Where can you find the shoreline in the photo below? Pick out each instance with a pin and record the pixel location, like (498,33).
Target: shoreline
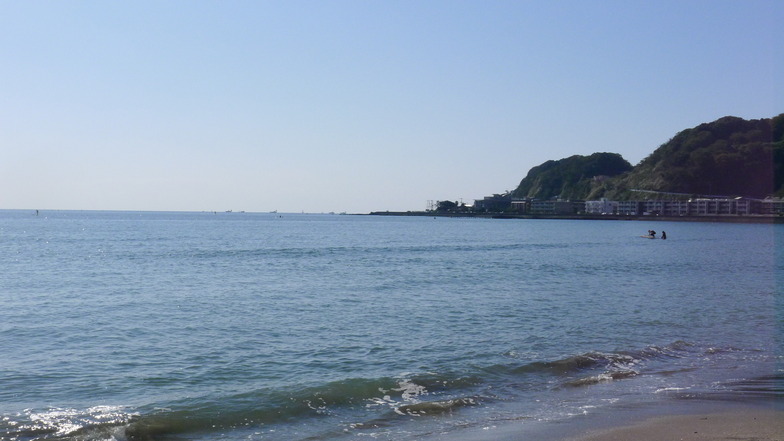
(743,424)
(693,421)
(730,218)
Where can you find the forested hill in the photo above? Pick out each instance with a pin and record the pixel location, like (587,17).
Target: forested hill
(572,177)
(727,157)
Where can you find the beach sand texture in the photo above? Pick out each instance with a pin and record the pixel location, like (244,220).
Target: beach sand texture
(747,425)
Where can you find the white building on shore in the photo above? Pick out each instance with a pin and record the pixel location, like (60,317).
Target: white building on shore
(692,207)
(602,206)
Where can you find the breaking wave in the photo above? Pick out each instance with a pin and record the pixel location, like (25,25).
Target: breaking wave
(380,401)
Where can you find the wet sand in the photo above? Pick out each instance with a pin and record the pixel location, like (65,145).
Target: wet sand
(706,422)
(747,424)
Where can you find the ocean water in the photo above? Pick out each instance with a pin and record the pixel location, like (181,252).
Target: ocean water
(204,326)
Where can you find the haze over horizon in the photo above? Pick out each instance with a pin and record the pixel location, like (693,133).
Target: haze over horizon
(356,106)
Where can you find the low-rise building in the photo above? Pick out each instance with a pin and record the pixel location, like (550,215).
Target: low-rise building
(692,207)
(630,208)
(521,205)
(556,207)
(494,203)
(702,207)
(771,206)
(676,208)
(602,206)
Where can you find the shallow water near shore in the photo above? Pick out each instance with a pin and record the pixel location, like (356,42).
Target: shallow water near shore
(202,326)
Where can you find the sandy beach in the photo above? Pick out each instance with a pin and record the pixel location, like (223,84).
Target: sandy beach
(747,424)
(733,422)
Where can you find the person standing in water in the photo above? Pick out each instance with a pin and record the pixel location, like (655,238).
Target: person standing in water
(664,235)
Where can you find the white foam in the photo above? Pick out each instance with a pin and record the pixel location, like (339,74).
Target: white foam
(410,390)
(670,389)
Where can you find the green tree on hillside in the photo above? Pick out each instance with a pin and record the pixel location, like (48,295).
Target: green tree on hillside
(572,177)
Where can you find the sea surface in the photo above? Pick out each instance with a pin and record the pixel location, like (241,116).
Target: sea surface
(230,326)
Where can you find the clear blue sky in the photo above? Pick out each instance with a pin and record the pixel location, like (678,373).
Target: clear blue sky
(356,105)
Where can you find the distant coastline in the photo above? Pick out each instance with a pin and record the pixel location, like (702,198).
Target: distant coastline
(733,218)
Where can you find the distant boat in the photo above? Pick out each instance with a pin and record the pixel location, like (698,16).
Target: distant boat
(273,211)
